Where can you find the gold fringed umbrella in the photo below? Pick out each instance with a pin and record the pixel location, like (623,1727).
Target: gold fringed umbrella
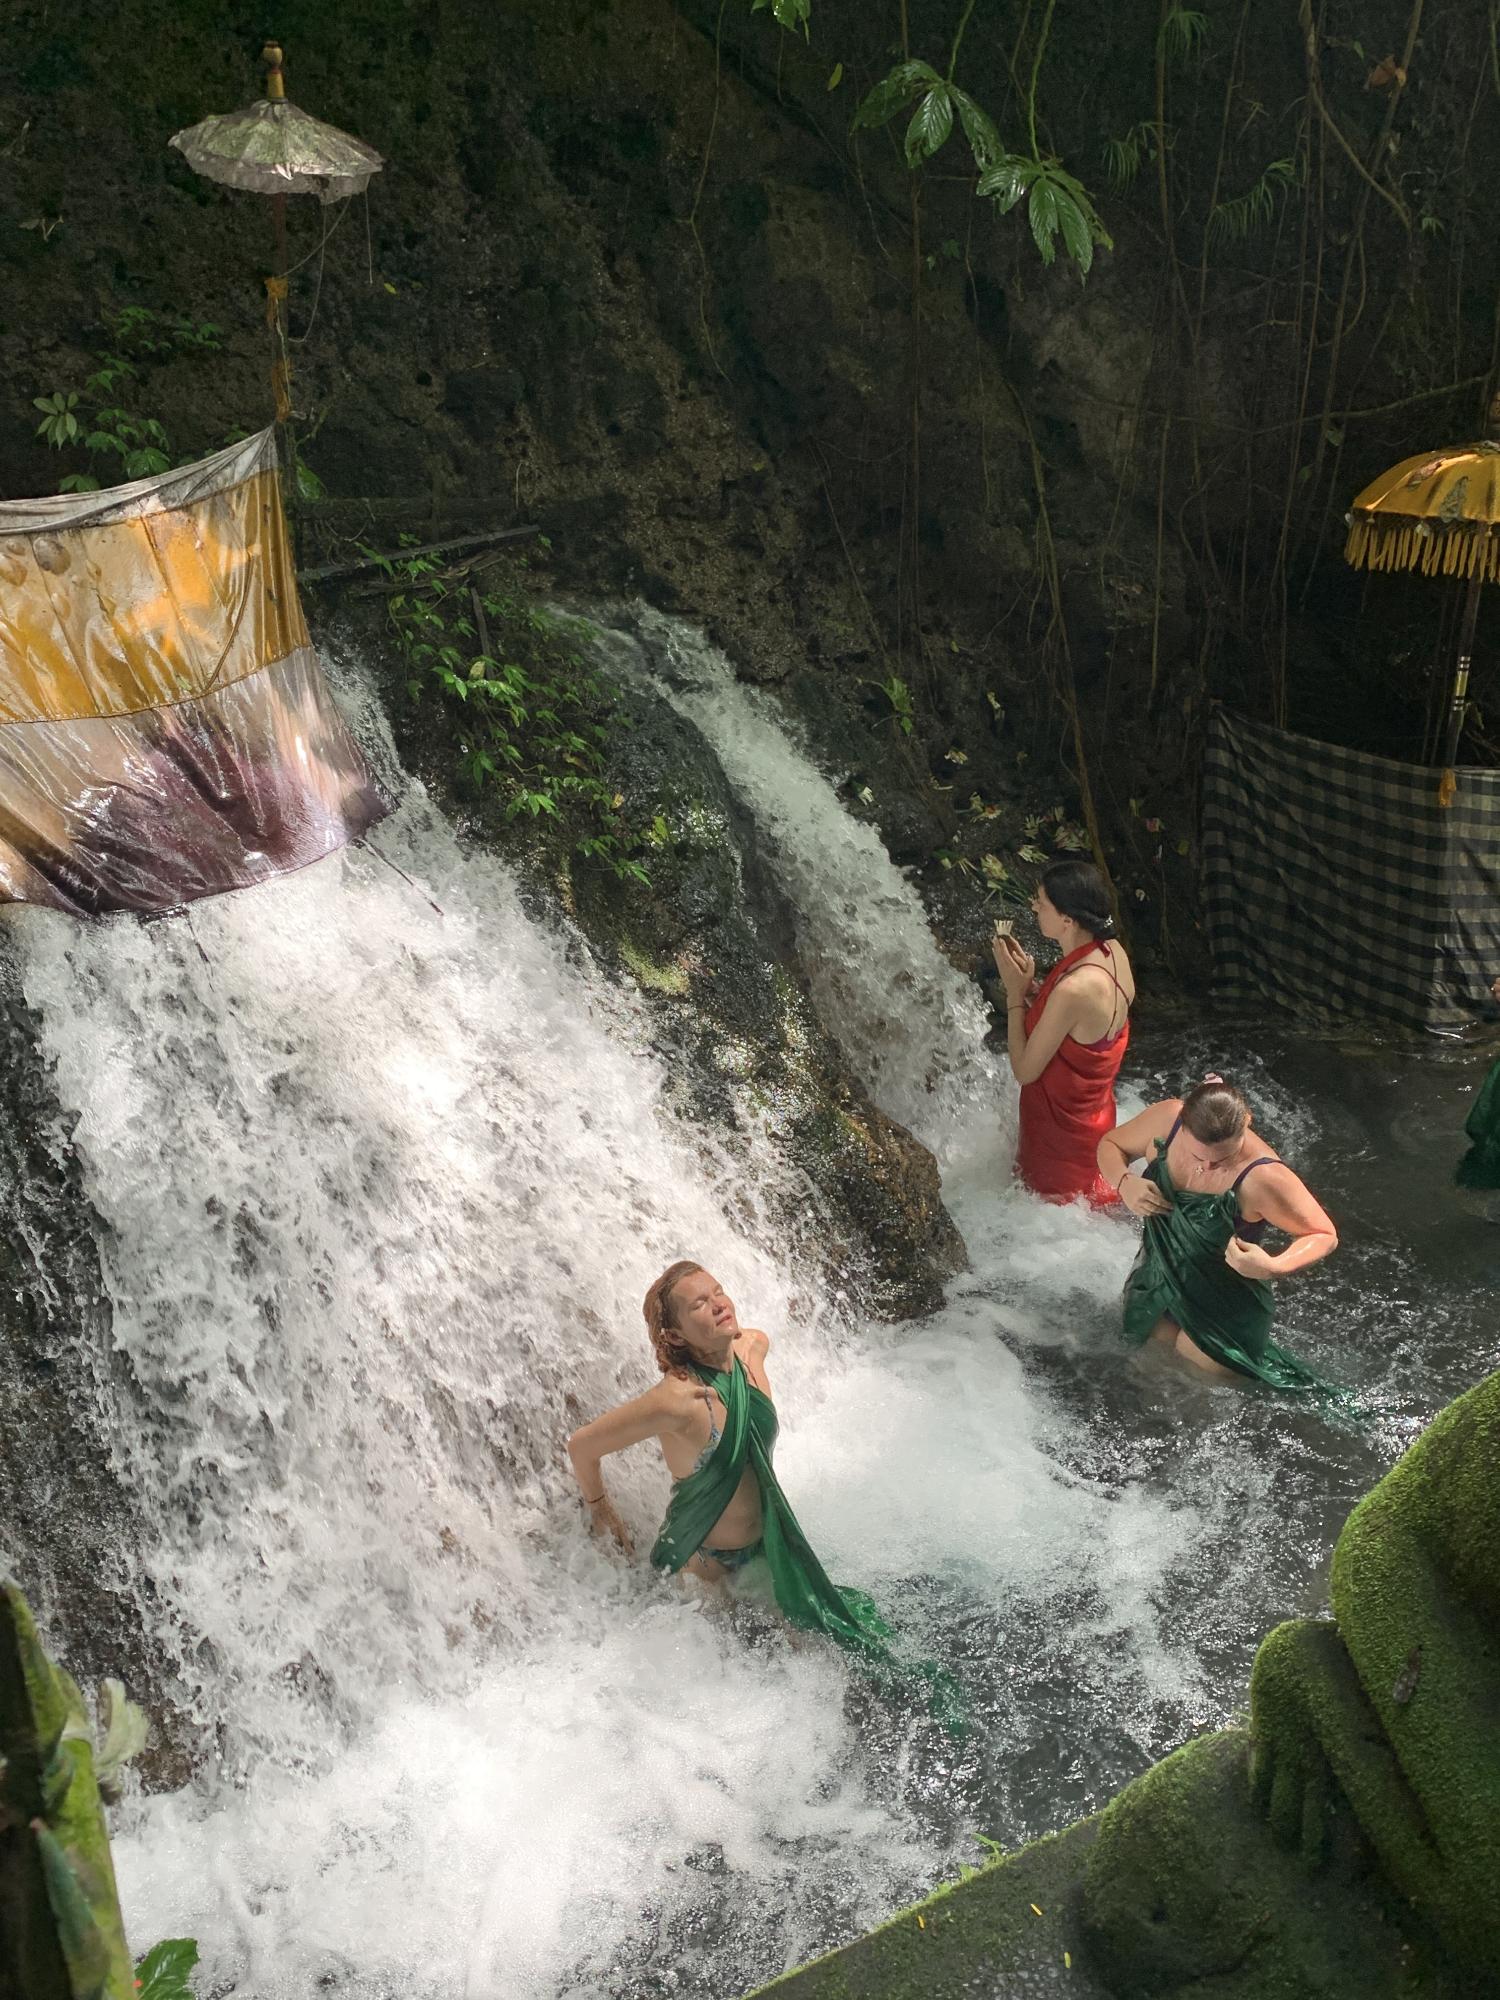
(1440,513)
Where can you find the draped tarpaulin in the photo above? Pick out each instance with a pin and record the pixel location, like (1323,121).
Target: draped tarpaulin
(165,729)
(1334,882)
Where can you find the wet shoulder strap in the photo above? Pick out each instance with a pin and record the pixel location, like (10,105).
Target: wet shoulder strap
(1265,1160)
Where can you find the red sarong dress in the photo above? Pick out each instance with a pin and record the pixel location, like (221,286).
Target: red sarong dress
(1071,1106)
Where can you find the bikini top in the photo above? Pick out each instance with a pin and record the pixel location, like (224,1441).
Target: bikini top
(1247,1232)
(714,1434)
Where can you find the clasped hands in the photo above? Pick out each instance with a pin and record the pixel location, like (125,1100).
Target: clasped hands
(1017,969)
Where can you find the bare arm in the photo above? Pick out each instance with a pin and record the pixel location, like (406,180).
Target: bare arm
(1286,1203)
(631,1423)
(1128,1142)
(1030,1054)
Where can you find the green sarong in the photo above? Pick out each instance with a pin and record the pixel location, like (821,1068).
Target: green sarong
(1181,1273)
(805,1594)
(1480,1166)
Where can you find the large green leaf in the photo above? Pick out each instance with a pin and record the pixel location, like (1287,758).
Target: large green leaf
(1042,212)
(163,1973)
(892,93)
(1076,233)
(930,125)
(980,130)
(1008,180)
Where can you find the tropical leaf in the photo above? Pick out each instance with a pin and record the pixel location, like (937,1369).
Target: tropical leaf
(1076,233)
(930,126)
(1181,32)
(892,93)
(1123,158)
(1043,213)
(980,129)
(1008,180)
(1235,220)
(163,1973)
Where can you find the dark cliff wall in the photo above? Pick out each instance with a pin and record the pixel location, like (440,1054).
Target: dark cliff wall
(628,274)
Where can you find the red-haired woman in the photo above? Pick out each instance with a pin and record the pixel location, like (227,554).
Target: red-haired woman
(713,1418)
(1067,1038)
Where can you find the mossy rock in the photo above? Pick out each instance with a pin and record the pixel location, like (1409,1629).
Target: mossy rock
(1010,1928)
(1185,1894)
(1397,1710)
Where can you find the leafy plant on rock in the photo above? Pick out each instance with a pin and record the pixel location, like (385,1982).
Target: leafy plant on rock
(528,705)
(104,418)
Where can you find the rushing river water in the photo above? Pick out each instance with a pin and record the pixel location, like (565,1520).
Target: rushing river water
(380,1190)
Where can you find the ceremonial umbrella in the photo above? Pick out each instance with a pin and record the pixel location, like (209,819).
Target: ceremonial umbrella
(272,147)
(1438,512)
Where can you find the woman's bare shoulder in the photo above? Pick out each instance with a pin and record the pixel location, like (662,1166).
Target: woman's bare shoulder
(756,1342)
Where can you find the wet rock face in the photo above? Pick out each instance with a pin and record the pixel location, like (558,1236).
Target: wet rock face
(66,1522)
(712,948)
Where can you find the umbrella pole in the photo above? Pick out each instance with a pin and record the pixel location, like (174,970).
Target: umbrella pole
(276,308)
(1448,783)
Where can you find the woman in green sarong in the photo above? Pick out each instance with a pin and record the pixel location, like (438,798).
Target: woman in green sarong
(1210,1189)
(713,1417)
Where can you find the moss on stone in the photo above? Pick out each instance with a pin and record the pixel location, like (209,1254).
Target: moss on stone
(1015,1917)
(1416,1596)
(1184,1893)
(656,975)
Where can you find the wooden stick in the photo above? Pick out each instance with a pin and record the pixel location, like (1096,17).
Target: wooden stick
(325,571)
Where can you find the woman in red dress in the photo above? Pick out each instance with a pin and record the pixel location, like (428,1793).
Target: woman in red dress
(1067,1037)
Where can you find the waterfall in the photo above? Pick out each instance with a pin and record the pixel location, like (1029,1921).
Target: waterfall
(912,1027)
(379,1188)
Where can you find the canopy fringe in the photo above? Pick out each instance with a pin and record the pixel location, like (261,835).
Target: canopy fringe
(1436,550)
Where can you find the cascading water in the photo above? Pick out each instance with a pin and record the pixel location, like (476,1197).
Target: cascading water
(379,1191)
(912,1027)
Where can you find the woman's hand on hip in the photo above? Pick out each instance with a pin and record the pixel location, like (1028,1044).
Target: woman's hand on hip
(1143,1197)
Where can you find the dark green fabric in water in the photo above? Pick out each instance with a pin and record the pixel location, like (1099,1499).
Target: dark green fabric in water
(805,1594)
(1480,1166)
(1181,1273)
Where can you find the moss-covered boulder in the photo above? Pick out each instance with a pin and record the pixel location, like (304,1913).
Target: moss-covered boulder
(1392,1714)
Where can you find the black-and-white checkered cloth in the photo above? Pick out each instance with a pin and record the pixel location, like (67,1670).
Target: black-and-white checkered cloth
(1334,882)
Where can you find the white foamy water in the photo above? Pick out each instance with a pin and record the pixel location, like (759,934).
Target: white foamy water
(910,1024)
(380,1190)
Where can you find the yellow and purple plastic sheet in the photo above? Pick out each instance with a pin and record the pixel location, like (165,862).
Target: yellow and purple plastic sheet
(165,729)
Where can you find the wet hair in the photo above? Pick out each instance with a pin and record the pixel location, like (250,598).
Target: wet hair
(1076,889)
(673,1355)
(1215,1112)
